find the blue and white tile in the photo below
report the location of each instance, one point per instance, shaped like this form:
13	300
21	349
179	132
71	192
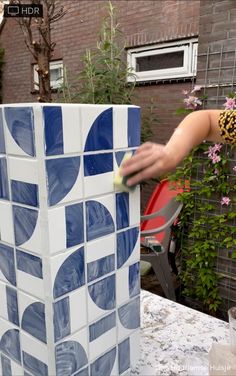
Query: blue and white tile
68	271
64	178
7	264
100	256
98	174
97	127
106	364
101	297
19	131
70	314
10	368
102	335
35	355
4	185
128	318
124	356
9	304
128	283
32	316
128	247
100	217
27	228
6	222
72	354
30	273
10	340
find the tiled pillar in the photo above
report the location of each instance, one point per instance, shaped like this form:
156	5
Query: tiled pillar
69	243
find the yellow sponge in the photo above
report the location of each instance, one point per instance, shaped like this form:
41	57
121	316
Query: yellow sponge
120	181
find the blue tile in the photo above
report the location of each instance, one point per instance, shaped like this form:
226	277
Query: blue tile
71	274
134	280
70	357
133	127
102	326
99	221
126	241
124	356
104	364
100	267
34	365
95	164
2	139
53	130
74	225
103	293
12	305
24	193
25	221
62	174
61	318
122	210
20	122
29	264
33	321
84	372
4	190
7	263
6	366
10	344
129	314
100	136
119	157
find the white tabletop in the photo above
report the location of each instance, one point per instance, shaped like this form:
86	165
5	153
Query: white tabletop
175	339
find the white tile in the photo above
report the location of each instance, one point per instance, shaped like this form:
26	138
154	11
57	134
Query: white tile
30	284
102	343
6	223
94	312
76	192
99	184
11	145
24	301
71	129
122	286
57	229
34	347
134	348
134	207
120	124
16	369
25	170
99	248
78	309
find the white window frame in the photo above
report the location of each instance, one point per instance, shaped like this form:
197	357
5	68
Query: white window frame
188	69
53	65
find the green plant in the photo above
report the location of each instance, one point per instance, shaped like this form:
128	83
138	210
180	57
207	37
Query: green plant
207	221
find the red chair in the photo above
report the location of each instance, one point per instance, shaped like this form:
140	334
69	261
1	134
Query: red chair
161	212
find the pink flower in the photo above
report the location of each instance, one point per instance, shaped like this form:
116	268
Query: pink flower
217	147
216	171
229	104
192	102
234	168
225	201
196	88
215	158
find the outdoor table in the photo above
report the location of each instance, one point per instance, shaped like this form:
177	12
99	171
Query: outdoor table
175	339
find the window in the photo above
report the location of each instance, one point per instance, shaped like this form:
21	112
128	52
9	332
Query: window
164	61
56	74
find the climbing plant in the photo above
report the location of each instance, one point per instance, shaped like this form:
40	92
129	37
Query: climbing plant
207	221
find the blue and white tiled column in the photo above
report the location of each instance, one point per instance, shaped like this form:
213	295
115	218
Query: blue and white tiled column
69	242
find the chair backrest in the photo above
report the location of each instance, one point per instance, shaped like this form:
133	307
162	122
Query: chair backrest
163	201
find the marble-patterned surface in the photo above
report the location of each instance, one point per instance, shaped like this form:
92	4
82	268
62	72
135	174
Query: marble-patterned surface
175	340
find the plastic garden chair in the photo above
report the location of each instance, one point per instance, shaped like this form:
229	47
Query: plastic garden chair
156	234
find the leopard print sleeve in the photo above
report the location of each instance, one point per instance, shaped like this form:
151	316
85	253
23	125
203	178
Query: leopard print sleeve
227	124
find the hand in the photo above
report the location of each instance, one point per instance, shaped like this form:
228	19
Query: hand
149	161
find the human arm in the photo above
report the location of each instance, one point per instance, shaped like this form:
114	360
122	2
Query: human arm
153	160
